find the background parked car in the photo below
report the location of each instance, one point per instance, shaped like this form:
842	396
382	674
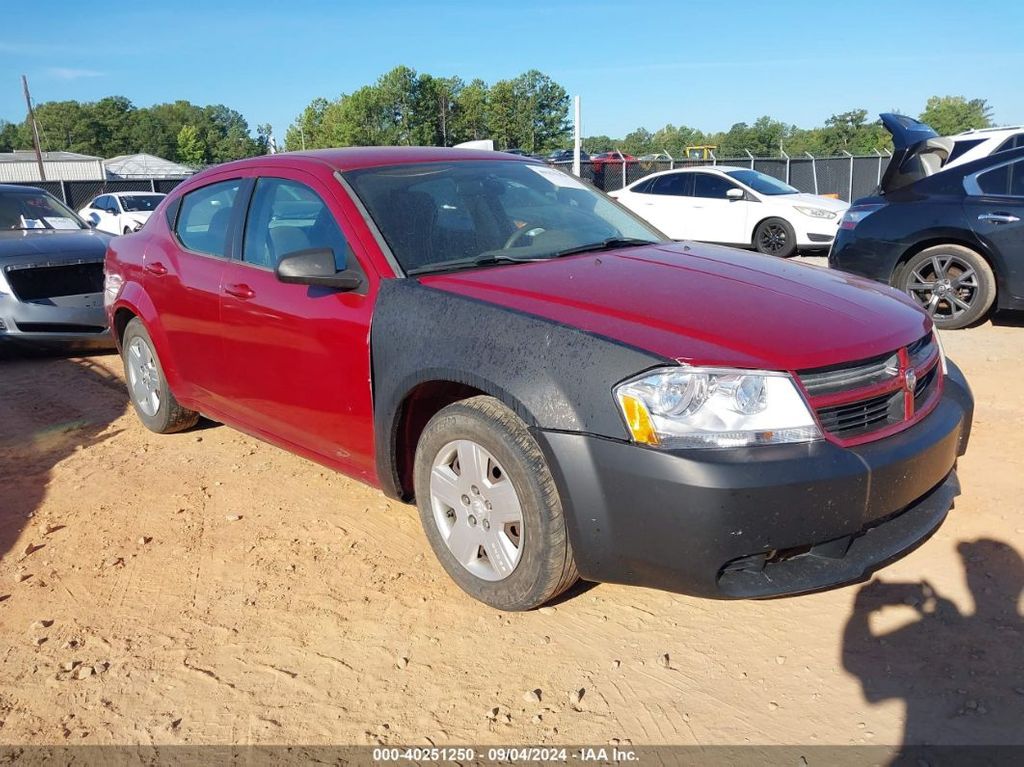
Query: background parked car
121	212
567	155
51	272
951	237
734	206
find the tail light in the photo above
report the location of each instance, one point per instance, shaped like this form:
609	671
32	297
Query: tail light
857	213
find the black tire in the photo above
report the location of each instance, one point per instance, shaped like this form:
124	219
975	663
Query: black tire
127	230
168	417
775	237
952	283
545	567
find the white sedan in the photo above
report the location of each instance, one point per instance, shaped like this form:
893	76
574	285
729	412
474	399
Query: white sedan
734	206
120	212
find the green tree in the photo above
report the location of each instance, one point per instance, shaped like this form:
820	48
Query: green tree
191	150
638	142
953	114
471	110
504	122
12	137
543	110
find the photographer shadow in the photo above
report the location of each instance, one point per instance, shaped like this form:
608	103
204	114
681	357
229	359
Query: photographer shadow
961	676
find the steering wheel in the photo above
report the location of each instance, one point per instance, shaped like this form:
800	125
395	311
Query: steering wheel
523	231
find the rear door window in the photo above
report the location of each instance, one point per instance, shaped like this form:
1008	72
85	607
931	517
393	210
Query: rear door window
205	218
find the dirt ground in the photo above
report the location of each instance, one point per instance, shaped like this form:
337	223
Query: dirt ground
208	588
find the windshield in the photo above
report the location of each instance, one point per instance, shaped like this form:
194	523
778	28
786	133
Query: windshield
438	216
35	210
137	203
762	183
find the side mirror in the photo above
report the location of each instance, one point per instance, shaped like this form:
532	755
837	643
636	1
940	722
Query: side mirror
735	193
315	266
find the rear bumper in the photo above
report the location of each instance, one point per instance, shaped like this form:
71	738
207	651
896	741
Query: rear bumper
758	522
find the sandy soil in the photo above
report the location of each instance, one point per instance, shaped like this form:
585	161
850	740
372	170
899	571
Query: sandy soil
207	588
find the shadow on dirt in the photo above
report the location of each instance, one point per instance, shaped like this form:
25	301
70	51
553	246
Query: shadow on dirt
52	406
961	676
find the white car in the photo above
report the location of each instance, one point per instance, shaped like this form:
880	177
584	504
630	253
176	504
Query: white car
734	206
120	212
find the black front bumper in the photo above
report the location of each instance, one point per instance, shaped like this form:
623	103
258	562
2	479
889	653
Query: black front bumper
758	522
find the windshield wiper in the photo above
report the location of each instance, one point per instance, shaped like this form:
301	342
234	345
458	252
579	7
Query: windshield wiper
469	263
609	244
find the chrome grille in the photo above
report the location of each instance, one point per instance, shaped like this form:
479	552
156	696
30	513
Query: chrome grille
843	378
866	396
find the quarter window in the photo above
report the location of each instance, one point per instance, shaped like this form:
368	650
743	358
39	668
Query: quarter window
1005	181
286	217
707	185
205	218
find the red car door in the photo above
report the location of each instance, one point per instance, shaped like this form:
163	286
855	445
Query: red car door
297	357
183	279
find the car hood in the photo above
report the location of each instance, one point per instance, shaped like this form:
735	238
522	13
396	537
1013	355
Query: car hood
52	245
810	200
705	305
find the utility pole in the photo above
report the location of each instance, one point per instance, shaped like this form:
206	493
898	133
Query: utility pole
576	137
35	128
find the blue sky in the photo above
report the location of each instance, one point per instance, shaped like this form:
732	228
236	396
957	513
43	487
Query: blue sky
704	64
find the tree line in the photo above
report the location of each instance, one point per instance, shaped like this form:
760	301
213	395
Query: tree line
180	131
404	107
849	132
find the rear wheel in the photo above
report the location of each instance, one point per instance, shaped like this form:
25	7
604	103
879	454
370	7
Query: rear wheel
952	283
156	407
490	508
775	237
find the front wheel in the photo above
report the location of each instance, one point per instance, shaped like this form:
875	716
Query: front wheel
775	237
490	508
156	407
952	283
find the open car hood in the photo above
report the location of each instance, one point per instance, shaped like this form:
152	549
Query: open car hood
918	151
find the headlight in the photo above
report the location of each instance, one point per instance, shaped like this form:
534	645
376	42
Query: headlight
682	407
4	286
815	212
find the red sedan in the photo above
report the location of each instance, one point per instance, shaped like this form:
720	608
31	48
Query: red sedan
562	391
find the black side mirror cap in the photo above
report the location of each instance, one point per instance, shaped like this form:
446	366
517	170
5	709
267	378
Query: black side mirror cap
315	266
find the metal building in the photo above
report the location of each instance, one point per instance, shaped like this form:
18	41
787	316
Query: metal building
20	165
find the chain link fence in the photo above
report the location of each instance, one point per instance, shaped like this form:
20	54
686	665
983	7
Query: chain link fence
75	194
848	177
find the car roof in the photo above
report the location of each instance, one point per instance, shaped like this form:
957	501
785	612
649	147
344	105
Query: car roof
20	188
355	158
1007	130
131	191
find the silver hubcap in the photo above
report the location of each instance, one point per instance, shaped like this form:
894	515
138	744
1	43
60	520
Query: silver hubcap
143	377
477	510
945	286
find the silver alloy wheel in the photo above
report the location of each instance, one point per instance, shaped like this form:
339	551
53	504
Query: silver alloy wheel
143	377
945	286
476	510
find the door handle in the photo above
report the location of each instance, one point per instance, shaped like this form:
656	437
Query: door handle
155	268
240	290
998	218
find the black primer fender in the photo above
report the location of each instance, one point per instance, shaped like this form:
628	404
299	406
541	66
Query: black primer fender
554	376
